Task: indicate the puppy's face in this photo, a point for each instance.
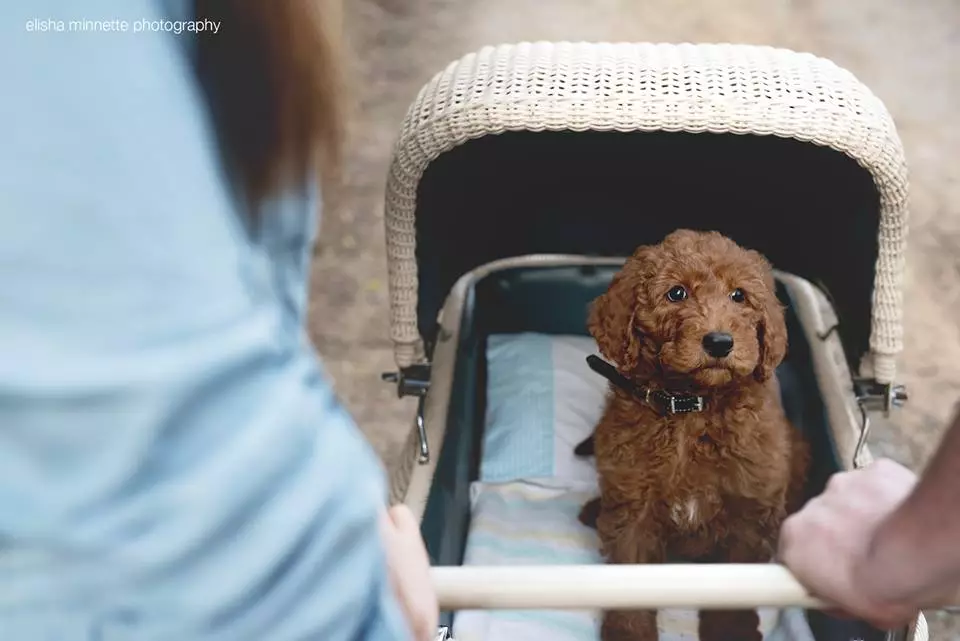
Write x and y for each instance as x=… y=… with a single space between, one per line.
x=695 y=309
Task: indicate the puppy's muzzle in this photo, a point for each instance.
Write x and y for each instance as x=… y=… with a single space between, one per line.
x=718 y=344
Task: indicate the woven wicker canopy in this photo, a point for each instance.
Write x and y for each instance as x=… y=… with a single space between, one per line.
x=595 y=148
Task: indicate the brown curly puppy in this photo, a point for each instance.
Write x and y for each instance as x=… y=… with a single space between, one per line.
x=697 y=462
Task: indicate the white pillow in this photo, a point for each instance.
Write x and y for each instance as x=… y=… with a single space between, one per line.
x=542 y=400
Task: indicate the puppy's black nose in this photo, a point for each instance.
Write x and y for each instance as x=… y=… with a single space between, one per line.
x=718 y=344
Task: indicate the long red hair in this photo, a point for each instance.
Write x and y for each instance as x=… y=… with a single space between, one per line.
x=273 y=70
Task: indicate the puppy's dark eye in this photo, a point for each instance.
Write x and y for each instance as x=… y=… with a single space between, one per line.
x=738 y=296
x=676 y=294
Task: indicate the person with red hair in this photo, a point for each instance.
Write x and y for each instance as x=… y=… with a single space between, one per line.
x=174 y=464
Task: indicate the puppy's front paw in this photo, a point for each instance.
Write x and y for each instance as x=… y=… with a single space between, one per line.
x=732 y=625
x=589 y=513
x=640 y=625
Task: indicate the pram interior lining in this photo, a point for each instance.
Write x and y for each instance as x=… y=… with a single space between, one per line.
x=542 y=400
x=810 y=209
x=554 y=300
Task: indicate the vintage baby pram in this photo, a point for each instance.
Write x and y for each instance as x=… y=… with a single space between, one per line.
x=522 y=177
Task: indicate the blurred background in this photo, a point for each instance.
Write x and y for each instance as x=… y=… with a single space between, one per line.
x=907 y=52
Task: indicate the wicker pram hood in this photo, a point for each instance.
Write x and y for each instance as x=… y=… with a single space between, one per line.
x=715 y=88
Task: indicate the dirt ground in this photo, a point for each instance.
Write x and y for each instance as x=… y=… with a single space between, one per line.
x=907 y=52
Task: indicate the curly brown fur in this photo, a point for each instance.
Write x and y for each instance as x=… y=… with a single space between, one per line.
x=711 y=486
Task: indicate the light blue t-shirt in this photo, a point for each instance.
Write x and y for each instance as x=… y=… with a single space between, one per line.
x=173 y=463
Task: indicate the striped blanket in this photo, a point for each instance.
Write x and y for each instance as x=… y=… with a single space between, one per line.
x=524 y=523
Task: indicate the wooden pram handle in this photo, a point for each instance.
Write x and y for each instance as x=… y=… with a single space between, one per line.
x=600 y=587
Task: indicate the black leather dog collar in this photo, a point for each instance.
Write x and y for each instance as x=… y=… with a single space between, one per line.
x=663 y=402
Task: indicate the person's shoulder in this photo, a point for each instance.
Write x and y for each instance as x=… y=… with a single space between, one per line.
x=108 y=140
x=115 y=112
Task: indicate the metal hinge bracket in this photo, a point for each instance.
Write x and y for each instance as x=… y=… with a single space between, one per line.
x=414 y=381
x=873 y=396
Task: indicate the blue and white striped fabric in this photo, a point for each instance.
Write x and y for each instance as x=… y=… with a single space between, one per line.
x=523 y=523
x=542 y=399
x=526 y=524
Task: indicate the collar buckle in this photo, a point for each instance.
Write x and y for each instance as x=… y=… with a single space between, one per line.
x=680 y=403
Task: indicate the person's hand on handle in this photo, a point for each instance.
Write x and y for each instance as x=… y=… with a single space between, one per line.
x=834 y=548
x=409 y=567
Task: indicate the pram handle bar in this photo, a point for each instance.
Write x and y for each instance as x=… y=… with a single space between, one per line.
x=719 y=586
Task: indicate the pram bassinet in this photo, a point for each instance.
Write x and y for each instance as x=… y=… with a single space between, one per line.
x=524 y=174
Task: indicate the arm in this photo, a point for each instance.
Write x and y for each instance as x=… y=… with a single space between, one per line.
x=916 y=545
x=878 y=542
x=173 y=463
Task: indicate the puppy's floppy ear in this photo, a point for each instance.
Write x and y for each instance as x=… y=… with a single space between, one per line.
x=611 y=318
x=771 y=331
